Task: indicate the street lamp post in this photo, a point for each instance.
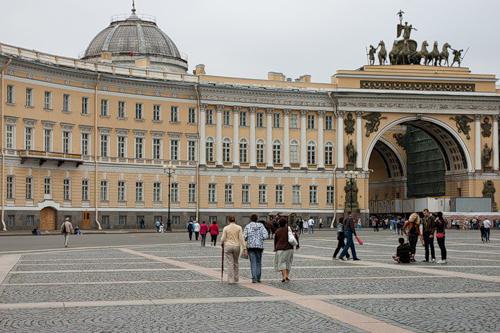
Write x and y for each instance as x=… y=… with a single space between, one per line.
x=169 y=170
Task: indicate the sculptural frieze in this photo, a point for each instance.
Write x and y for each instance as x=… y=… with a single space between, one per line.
x=485 y=156
x=349 y=123
x=400 y=139
x=351 y=153
x=486 y=127
x=372 y=122
x=462 y=122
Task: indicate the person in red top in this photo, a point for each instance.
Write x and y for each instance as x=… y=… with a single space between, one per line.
x=203 y=232
x=214 y=232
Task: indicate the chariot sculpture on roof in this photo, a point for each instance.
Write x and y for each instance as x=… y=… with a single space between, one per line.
x=405 y=50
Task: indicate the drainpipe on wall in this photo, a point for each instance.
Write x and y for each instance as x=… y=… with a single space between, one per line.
x=2 y=103
x=95 y=153
x=198 y=105
x=334 y=104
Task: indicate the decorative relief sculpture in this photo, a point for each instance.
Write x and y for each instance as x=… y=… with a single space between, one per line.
x=486 y=156
x=351 y=195
x=486 y=127
x=489 y=192
x=372 y=122
x=462 y=123
x=420 y=86
x=400 y=139
x=349 y=124
x=351 y=153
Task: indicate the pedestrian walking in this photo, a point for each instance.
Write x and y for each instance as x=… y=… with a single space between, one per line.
x=203 y=233
x=162 y=227
x=301 y=225
x=427 y=229
x=283 y=250
x=340 y=238
x=310 y=223
x=305 y=225
x=142 y=224
x=350 y=232
x=214 y=232
x=190 y=229
x=411 y=228
x=196 y=229
x=254 y=234
x=441 y=224
x=486 y=229
x=66 y=230
x=232 y=242
x=157 y=225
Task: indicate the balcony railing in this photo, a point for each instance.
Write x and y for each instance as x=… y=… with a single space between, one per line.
x=44 y=156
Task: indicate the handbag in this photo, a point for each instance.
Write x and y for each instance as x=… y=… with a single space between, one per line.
x=360 y=241
x=244 y=253
x=291 y=238
x=439 y=235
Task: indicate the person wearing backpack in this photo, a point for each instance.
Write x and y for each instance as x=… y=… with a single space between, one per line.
x=190 y=229
x=427 y=230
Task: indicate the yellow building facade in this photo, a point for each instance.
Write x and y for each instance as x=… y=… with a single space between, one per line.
x=89 y=138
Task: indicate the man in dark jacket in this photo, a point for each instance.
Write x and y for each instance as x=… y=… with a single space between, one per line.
x=349 y=231
x=427 y=229
x=403 y=252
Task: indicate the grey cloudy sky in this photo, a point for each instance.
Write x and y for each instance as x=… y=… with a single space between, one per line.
x=249 y=38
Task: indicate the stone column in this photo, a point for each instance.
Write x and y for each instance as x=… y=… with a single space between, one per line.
x=286 y=139
x=251 y=144
x=340 y=140
x=321 y=143
x=303 y=140
x=218 y=139
x=203 y=138
x=269 y=138
x=359 y=141
x=495 y=143
x=236 y=136
x=477 y=141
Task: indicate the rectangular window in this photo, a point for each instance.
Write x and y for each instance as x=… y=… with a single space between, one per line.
x=293 y=121
x=156 y=191
x=28 y=138
x=156 y=148
x=212 y=195
x=139 y=145
x=47 y=100
x=243 y=151
x=139 y=192
x=10 y=187
x=328 y=123
x=121 y=190
x=29 y=97
x=84 y=142
x=85 y=190
x=311 y=153
x=228 y=193
x=122 y=146
x=329 y=195
x=47 y=188
x=296 y=194
x=227 y=118
x=85 y=105
x=260 y=152
x=29 y=188
x=243 y=119
x=210 y=150
x=67 y=189
x=47 y=140
x=10 y=94
x=105 y=220
x=276 y=120
x=174 y=150
x=104 y=145
x=174 y=114
x=313 y=195
x=104 y=190
x=328 y=154
x=262 y=194
x=192 y=116
x=279 y=194
x=191 y=150
x=174 y=192
x=192 y=193
x=121 y=110
x=156 y=112
x=210 y=117
x=66 y=142
x=122 y=219
x=11 y=220
x=104 y=107
x=294 y=152
x=245 y=194
x=9 y=136
x=29 y=221
x=310 y=121
x=260 y=119
x=176 y=219
x=66 y=103
x=138 y=111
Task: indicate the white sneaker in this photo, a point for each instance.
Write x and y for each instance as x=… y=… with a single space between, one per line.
x=441 y=262
x=433 y=260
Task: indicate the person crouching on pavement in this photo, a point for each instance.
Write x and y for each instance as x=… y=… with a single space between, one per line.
x=403 y=252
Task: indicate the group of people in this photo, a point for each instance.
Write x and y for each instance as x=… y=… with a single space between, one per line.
x=193 y=227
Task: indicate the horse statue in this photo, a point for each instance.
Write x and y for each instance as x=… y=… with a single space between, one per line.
x=382 y=53
x=393 y=55
x=435 y=55
x=444 y=55
x=404 y=57
x=424 y=53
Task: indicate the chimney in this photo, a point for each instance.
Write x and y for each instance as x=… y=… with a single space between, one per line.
x=275 y=76
x=199 y=70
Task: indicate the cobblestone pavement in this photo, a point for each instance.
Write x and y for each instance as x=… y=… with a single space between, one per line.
x=166 y=284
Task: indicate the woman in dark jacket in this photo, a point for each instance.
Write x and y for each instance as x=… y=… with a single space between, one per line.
x=441 y=235
x=283 y=256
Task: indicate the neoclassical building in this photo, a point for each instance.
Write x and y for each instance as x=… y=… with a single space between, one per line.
x=89 y=138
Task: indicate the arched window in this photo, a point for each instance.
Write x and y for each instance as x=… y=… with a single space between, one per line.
x=260 y=151
x=294 y=151
x=276 y=152
x=311 y=152
x=226 y=150
x=243 y=151
x=210 y=149
x=328 y=153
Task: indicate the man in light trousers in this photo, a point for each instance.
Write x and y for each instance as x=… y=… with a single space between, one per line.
x=66 y=230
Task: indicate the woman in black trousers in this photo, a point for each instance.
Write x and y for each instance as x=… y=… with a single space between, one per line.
x=340 y=238
x=440 y=236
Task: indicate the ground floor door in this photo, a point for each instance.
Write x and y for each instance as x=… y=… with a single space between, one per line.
x=48 y=219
